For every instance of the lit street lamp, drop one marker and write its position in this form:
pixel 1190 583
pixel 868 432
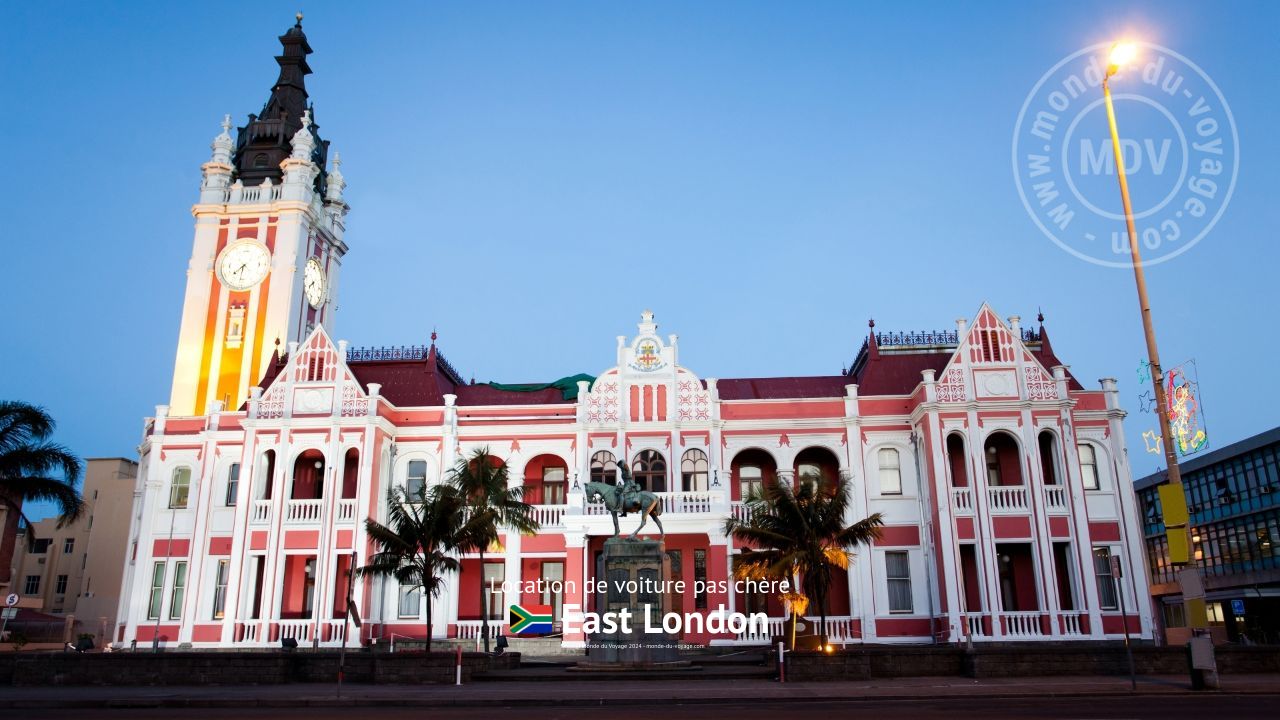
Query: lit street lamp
pixel 1173 500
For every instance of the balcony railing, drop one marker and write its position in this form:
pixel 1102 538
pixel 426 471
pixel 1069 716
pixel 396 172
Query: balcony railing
pixel 977 628
pixel 549 516
pixel 346 511
pixel 1022 624
pixel 738 510
pixel 962 501
pixel 672 503
pixel 261 512
pixel 303 512
pixel 299 630
pixel 839 630
pixel 1070 623
pixel 1055 498
pixel 1007 499
pixel 470 629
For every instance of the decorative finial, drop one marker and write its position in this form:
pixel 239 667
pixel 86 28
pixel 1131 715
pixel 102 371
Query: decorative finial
pixel 433 336
pixel 299 16
pixel 1039 315
pixel 871 323
pixel 226 123
pixel 337 160
pixel 306 118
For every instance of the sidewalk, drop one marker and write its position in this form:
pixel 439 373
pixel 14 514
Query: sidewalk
pixel 570 693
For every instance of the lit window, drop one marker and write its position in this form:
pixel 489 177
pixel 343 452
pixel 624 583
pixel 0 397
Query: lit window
pixel 179 590
pixel 897 565
pixel 693 470
pixel 157 591
pixel 415 484
pixel 890 472
pixel 1088 466
pixel 179 488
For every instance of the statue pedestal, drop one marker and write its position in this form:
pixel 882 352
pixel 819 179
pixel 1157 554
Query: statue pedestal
pixel 627 566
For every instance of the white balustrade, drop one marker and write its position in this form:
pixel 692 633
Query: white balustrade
pixel 261 512
pixel 739 511
pixel 303 512
pixel 977 629
pixel 299 630
pixel 962 500
pixel 1007 498
pixel 346 511
pixel 249 632
pixel 672 503
pixel 839 630
pixel 549 516
pixel 333 630
pixel 1071 623
pixel 1055 498
pixel 685 502
pixel 1022 624
pixel 470 629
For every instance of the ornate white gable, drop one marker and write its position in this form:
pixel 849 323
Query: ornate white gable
pixel 314 381
pixel 991 362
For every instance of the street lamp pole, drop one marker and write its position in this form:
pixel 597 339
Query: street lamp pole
pixel 1121 54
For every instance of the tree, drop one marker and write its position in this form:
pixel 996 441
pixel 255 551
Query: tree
pixel 482 481
pixel 33 468
pixel 799 533
pixel 419 543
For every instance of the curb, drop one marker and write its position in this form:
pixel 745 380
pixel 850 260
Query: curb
pixel 149 703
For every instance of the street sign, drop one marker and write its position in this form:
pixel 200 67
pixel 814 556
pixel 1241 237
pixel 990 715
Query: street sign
pixel 11 600
pixel 9 613
pixel 1237 607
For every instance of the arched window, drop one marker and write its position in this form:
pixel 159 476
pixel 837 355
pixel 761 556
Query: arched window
pixel 260 160
pixel 650 470
pixel 308 476
pixel 1088 466
pixel 694 469
pixel 350 473
pixel 1003 464
pixel 180 488
pixel 890 471
pixel 604 467
pixel 957 460
pixel 1048 457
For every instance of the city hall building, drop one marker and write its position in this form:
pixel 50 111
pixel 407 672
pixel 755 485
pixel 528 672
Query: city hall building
pixel 1003 481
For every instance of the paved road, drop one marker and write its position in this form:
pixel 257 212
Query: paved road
pixel 1165 708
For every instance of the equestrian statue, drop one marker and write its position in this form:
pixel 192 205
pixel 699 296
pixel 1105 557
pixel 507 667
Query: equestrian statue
pixel 626 497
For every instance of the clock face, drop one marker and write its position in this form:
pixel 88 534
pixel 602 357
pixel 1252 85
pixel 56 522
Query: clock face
pixel 314 283
pixel 243 264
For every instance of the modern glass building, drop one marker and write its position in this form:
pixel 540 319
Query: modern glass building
pixel 1233 495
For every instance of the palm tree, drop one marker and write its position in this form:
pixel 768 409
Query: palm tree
pixel 32 468
pixel 419 543
pixel 799 533
pixel 482 481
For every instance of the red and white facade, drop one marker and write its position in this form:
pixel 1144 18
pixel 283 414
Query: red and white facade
pixel 1004 483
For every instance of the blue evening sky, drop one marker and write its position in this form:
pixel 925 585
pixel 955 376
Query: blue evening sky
pixel 527 177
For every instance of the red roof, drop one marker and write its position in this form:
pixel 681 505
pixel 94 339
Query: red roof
pixel 821 386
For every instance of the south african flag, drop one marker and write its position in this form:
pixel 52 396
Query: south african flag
pixel 534 620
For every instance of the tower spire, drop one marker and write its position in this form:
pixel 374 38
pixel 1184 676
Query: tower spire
pixel 265 141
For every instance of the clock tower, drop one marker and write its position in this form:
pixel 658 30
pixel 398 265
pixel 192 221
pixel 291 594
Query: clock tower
pixel 268 246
